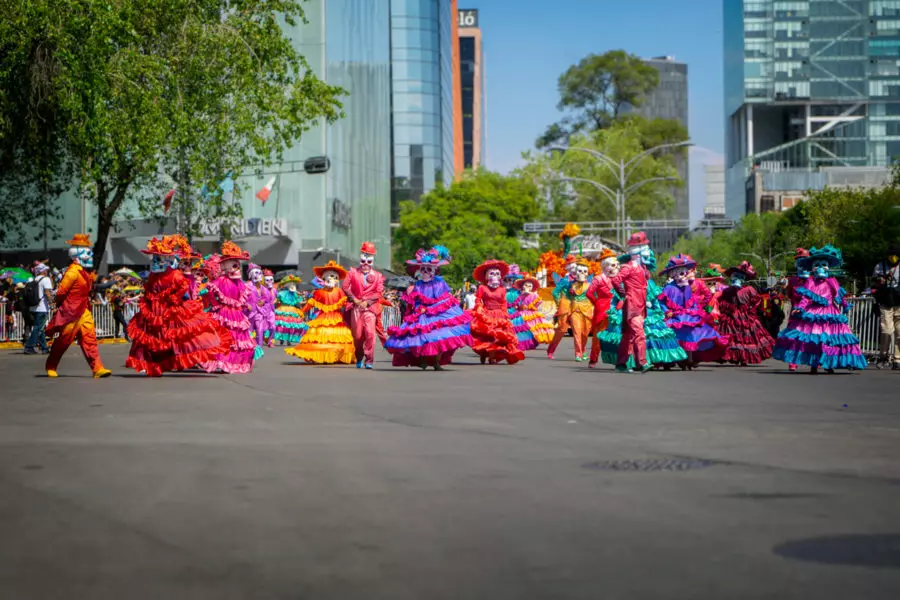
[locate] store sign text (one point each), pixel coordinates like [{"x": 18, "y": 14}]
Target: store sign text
[{"x": 245, "y": 227}]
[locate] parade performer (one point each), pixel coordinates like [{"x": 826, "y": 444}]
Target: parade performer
[
  {"x": 261, "y": 301},
  {"x": 538, "y": 330},
  {"x": 512, "y": 294},
  {"x": 659, "y": 345},
  {"x": 685, "y": 305},
  {"x": 364, "y": 287},
  {"x": 564, "y": 307},
  {"x": 748, "y": 341},
  {"x": 434, "y": 326},
  {"x": 171, "y": 332},
  {"x": 802, "y": 266},
  {"x": 190, "y": 263},
  {"x": 581, "y": 309},
  {"x": 600, "y": 294},
  {"x": 289, "y": 325},
  {"x": 269, "y": 312},
  {"x": 328, "y": 339},
  {"x": 228, "y": 301},
  {"x": 820, "y": 336},
  {"x": 714, "y": 281},
  {"x": 493, "y": 337},
  {"x": 72, "y": 319}
]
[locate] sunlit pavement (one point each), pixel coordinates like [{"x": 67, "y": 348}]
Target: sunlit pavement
[{"x": 542, "y": 480}]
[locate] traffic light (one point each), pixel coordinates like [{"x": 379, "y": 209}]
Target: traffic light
[{"x": 317, "y": 165}]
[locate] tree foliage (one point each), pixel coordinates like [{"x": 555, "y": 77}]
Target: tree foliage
[
  {"x": 478, "y": 217},
  {"x": 147, "y": 92}
]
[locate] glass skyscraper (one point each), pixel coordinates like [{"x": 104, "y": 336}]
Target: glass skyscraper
[
  {"x": 809, "y": 84},
  {"x": 422, "y": 98}
]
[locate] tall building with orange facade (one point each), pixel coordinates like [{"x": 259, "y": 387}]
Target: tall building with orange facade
[{"x": 471, "y": 69}]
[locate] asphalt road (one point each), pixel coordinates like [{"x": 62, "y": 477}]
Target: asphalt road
[{"x": 480, "y": 482}]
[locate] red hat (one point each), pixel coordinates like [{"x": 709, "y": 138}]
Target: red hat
[
  {"x": 480, "y": 272},
  {"x": 268, "y": 273},
  {"x": 80, "y": 240},
  {"x": 367, "y": 248},
  {"x": 528, "y": 278},
  {"x": 160, "y": 247},
  {"x": 745, "y": 267},
  {"x": 570, "y": 259},
  {"x": 801, "y": 253},
  {"x": 638, "y": 239},
  {"x": 231, "y": 250}
]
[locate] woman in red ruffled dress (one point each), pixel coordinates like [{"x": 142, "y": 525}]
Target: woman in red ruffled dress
[
  {"x": 493, "y": 336},
  {"x": 171, "y": 332},
  {"x": 749, "y": 342}
]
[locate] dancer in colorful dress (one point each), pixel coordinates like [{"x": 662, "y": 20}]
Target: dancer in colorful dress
[
  {"x": 228, "y": 301},
  {"x": 512, "y": 294},
  {"x": 581, "y": 309},
  {"x": 73, "y": 320},
  {"x": 289, "y": 325},
  {"x": 748, "y": 341},
  {"x": 820, "y": 335},
  {"x": 261, "y": 301},
  {"x": 493, "y": 337},
  {"x": 600, "y": 293},
  {"x": 564, "y": 307},
  {"x": 802, "y": 266},
  {"x": 170, "y": 332},
  {"x": 685, "y": 305},
  {"x": 190, "y": 263},
  {"x": 364, "y": 287},
  {"x": 328, "y": 339},
  {"x": 434, "y": 326},
  {"x": 528, "y": 308},
  {"x": 714, "y": 280}
]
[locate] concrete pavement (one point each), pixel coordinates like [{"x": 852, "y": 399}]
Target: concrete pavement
[{"x": 305, "y": 482}]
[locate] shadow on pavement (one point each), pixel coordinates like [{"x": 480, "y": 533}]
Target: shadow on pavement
[{"x": 861, "y": 550}]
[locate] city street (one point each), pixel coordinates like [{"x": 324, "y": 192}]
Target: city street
[{"x": 537, "y": 481}]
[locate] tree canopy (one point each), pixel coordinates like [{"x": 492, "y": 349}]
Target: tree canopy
[
  {"x": 139, "y": 94},
  {"x": 480, "y": 216}
]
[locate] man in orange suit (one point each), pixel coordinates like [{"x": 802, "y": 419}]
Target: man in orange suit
[{"x": 73, "y": 319}]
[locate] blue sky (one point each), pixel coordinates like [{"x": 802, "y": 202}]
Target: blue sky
[{"x": 528, "y": 44}]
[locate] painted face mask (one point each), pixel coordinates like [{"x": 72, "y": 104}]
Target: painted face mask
[
  {"x": 269, "y": 280},
  {"x": 581, "y": 273},
  {"x": 82, "y": 256},
  {"x": 187, "y": 269},
  {"x": 820, "y": 269},
  {"x": 255, "y": 275},
  {"x": 161, "y": 264},
  {"x": 427, "y": 272},
  {"x": 366, "y": 261},
  {"x": 527, "y": 287},
  {"x": 231, "y": 268},
  {"x": 292, "y": 288},
  {"x": 680, "y": 276},
  {"x": 737, "y": 280},
  {"x": 493, "y": 278},
  {"x": 712, "y": 286},
  {"x": 610, "y": 267},
  {"x": 330, "y": 279},
  {"x": 802, "y": 271}
]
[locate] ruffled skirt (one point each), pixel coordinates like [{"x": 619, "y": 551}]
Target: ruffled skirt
[
  {"x": 662, "y": 346},
  {"x": 748, "y": 341},
  {"x": 327, "y": 341},
  {"x": 289, "y": 325},
  {"x": 421, "y": 338},
  {"x": 824, "y": 340},
  {"x": 493, "y": 336}
]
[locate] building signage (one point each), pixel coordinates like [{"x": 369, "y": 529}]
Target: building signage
[
  {"x": 253, "y": 227},
  {"x": 468, "y": 17},
  {"x": 340, "y": 215}
]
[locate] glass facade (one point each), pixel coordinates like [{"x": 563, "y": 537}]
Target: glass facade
[
  {"x": 810, "y": 84},
  {"x": 422, "y": 97},
  {"x": 467, "y": 61}
]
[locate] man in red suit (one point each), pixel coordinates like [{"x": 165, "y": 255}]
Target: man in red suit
[
  {"x": 631, "y": 284},
  {"x": 364, "y": 287}
]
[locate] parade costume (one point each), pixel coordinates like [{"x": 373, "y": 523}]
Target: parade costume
[
  {"x": 600, "y": 294},
  {"x": 228, "y": 301},
  {"x": 523, "y": 333},
  {"x": 714, "y": 281},
  {"x": 564, "y": 307},
  {"x": 528, "y": 309},
  {"x": 581, "y": 309},
  {"x": 820, "y": 335},
  {"x": 328, "y": 339},
  {"x": 364, "y": 287},
  {"x": 686, "y": 313},
  {"x": 170, "y": 332},
  {"x": 493, "y": 337},
  {"x": 261, "y": 309},
  {"x": 748, "y": 341},
  {"x": 801, "y": 264},
  {"x": 434, "y": 326},
  {"x": 73, "y": 319},
  {"x": 289, "y": 325}
]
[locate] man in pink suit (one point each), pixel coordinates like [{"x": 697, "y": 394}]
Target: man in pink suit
[
  {"x": 631, "y": 284},
  {"x": 364, "y": 287}
]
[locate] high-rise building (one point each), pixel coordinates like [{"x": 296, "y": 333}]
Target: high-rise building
[
  {"x": 809, "y": 84},
  {"x": 423, "y": 40},
  {"x": 471, "y": 69},
  {"x": 669, "y": 100},
  {"x": 714, "y": 185}
]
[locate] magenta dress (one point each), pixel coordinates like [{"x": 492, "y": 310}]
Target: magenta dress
[{"x": 228, "y": 302}]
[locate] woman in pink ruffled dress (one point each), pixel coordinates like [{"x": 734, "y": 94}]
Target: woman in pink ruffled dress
[{"x": 228, "y": 304}]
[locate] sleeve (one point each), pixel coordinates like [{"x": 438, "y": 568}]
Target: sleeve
[
  {"x": 618, "y": 279},
  {"x": 65, "y": 285},
  {"x": 479, "y": 299},
  {"x": 345, "y": 287}
]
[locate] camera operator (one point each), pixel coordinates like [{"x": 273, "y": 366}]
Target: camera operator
[{"x": 887, "y": 295}]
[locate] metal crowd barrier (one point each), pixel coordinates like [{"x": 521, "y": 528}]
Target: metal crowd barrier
[
  {"x": 864, "y": 322},
  {"x": 391, "y": 317},
  {"x": 103, "y": 320}
]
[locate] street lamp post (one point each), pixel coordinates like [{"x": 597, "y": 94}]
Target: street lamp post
[{"x": 621, "y": 171}]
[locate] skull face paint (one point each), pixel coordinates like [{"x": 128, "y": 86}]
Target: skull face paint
[
  {"x": 493, "y": 278},
  {"x": 292, "y": 287},
  {"x": 680, "y": 276},
  {"x": 231, "y": 268},
  {"x": 820, "y": 268},
  {"x": 269, "y": 280},
  {"x": 802, "y": 267},
  {"x": 737, "y": 280},
  {"x": 83, "y": 256},
  {"x": 527, "y": 287},
  {"x": 610, "y": 267},
  {"x": 366, "y": 261},
  {"x": 581, "y": 273},
  {"x": 712, "y": 286},
  {"x": 330, "y": 279},
  {"x": 255, "y": 275},
  {"x": 427, "y": 272},
  {"x": 161, "y": 264}
]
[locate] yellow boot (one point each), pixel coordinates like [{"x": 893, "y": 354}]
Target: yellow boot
[
  {"x": 52, "y": 373},
  {"x": 102, "y": 372}
]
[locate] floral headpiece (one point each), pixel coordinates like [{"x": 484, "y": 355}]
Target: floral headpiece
[
  {"x": 160, "y": 247},
  {"x": 513, "y": 273},
  {"x": 833, "y": 255},
  {"x": 437, "y": 256},
  {"x": 230, "y": 250}
]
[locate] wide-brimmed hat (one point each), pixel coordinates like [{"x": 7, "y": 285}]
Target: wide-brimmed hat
[
  {"x": 183, "y": 248},
  {"x": 513, "y": 273},
  {"x": 330, "y": 266},
  {"x": 528, "y": 278},
  {"x": 438, "y": 256},
  {"x": 606, "y": 254},
  {"x": 285, "y": 281},
  {"x": 827, "y": 252},
  {"x": 712, "y": 274},
  {"x": 230, "y": 250},
  {"x": 160, "y": 247},
  {"x": 480, "y": 271},
  {"x": 639, "y": 238},
  {"x": 367, "y": 248},
  {"x": 745, "y": 268},
  {"x": 679, "y": 261},
  {"x": 80, "y": 239}
]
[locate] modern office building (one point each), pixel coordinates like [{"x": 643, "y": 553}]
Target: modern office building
[
  {"x": 346, "y": 43},
  {"x": 423, "y": 46},
  {"x": 471, "y": 68},
  {"x": 809, "y": 84},
  {"x": 714, "y": 186},
  {"x": 669, "y": 100}
]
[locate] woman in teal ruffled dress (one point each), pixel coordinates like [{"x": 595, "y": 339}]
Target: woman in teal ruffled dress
[{"x": 663, "y": 349}]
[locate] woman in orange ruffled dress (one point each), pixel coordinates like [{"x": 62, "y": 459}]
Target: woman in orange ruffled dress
[
  {"x": 493, "y": 336},
  {"x": 328, "y": 339},
  {"x": 171, "y": 332}
]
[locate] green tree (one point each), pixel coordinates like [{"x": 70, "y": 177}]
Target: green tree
[
  {"x": 147, "y": 91},
  {"x": 594, "y": 92},
  {"x": 478, "y": 217}
]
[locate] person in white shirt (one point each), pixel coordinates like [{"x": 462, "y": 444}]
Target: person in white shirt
[
  {"x": 41, "y": 311},
  {"x": 887, "y": 295},
  {"x": 470, "y": 299}
]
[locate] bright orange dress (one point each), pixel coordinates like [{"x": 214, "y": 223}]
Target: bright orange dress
[
  {"x": 328, "y": 339},
  {"x": 493, "y": 335}
]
